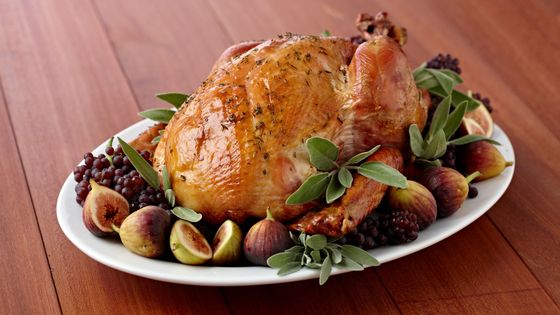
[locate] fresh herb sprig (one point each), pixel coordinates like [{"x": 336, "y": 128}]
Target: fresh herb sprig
[
  {"x": 319, "y": 252},
  {"x": 164, "y": 115},
  {"x": 333, "y": 179},
  {"x": 151, "y": 177}
]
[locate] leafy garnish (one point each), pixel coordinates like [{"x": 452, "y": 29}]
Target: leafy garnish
[
  {"x": 144, "y": 168},
  {"x": 158, "y": 114},
  {"x": 319, "y": 252},
  {"x": 335, "y": 178},
  {"x": 325, "y": 33},
  {"x": 173, "y": 98},
  {"x": 186, "y": 214}
]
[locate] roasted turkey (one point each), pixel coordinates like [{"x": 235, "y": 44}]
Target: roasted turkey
[{"x": 237, "y": 145}]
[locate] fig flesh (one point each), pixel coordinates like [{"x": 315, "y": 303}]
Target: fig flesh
[
  {"x": 483, "y": 157},
  {"x": 449, "y": 188},
  {"x": 103, "y": 209},
  {"x": 227, "y": 244},
  {"x": 189, "y": 245},
  {"x": 415, "y": 199},
  {"x": 264, "y": 239},
  {"x": 144, "y": 232}
]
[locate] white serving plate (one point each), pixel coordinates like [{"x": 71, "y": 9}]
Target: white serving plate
[{"x": 111, "y": 253}]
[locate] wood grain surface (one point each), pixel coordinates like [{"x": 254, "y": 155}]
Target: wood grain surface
[{"x": 72, "y": 73}]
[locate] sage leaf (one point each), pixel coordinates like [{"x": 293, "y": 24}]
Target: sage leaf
[
  {"x": 303, "y": 238},
  {"x": 165, "y": 178},
  {"x": 144, "y": 168},
  {"x": 335, "y": 254},
  {"x": 288, "y": 268},
  {"x": 472, "y": 138},
  {"x": 316, "y": 255},
  {"x": 295, "y": 249},
  {"x": 322, "y": 153},
  {"x": 156, "y": 139},
  {"x": 436, "y": 147},
  {"x": 446, "y": 82},
  {"x": 325, "y": 271},
  {"x": 454, "y": 75},
  {"x": 325, "y": 33},
  {"x": 383, "y": 173},
  {"x": 454, "y": 120},
  {"x": 345, "y": 177},
  {"x": 458, "y": 98},
  {"x": 280, "y": 259},
  {"x": 362, "y": 156},
  {"x": 416, "y": 140},
  {"x": 175, "y": 99},
  {"x": 335, "y": 190},
  {"x": 186, "y": 214},
  {"x": 358, "y": 255},
  {"x": 440, "y": 117},
  {"x": 316, "y": 241},
  {"x": 158, "y": 114},
  {"x": 347, "y": 263},
  {"x": 313, "y": 187},
  {"x": 425, "y": 79},
  {"x": 295, "y": 238},
  {"x": 170, "y": 196},
  {"x": 314, "y": 265}
]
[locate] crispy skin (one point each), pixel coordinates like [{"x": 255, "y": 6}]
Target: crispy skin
[
  {"x": 360, "y": 200},
  {"x": 238, "y": 146}
]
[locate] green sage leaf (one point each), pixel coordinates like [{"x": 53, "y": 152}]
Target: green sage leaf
[
  {"x": 345, "y": 177},
  {"x": 165, "y": 178},
  {"x": 358, "y": 255},
  {"x": 170, "y": 196},
  {"x": 325, "y": 271},
  {"x": 362, "y": 156},
  {"x": 416, "y": 140},
  {"x": 144, "y": 168},
  {"x": 423, "y": 163},
  {"x": 316, "y": 241},
  {"x": 457, "y": 97},
  {"x": 158, "y": 114},
  {"x": 295, "y": 249},
  {"x": 280, "y": 259},
  {"x": 440, "y": 117},
  {"x": 472, "y": 138},
  {"x": 452, "y": 74},
  {"x": 383, "y": 173},
  {"x": 288, "y": 268},
  {"x": 313, "y": 187},
  {"x": 156, "y": 139},
  {"x": 316, "y": 255},
  {"x": 186, "y": 214},
  {"x": 436, "y": 147},
  {"x": 454, "y": 120},
  {"x": 425, "y": 79},
  {"x": 325, "y": 33},
  {"x": 175, "y": 99},
  {"x": 335, "y": 190},
  {"x": 446, "y": 82},
  {"x": 322, "y": 153},
  {"x": 347, "y": 263},
  {"x": 314, "y": 265},
  {"x": 335, "y": 254}
]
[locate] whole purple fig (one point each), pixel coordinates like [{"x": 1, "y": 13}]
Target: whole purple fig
[
  {"x": 415, "y": 199},
  {"x": 264, "y": 239}
]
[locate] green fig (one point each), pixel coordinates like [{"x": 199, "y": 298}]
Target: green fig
[
  {"x": 189, "y": 245},
  {"x": 449, "y": 188},
  {"x": 227, "y": 244},
  {"x": 144, "y": 232},
  {"x": 103, "y": 209},
  {"x": 415, "y": 199},
  {"x": 266, "y": 238},
  {"x": 483, "y": 157}
]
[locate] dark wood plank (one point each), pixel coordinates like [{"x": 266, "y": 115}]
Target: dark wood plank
[
  {"x": 352, "y": 293},
  {"x": 164, "y": 45},
  {"x": 66, "y": 94},
  {"x": 26, "y": 286}
]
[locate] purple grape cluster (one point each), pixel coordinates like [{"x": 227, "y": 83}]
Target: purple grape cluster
[{"x": 119, "y": 175}]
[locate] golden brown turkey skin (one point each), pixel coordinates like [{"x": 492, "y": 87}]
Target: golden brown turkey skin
[{"x": 237, "y": 146}]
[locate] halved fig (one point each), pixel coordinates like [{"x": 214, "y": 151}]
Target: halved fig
[
  {"x": 227, "y": 244},
  {"x": 189, "y": 245},
  {"x": 103, "y": 209}
]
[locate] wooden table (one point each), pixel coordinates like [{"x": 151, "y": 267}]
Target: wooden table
[{"x": 75, "y": 72}]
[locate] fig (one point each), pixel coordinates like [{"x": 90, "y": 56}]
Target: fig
[
  {"x": 103, "y": 209},
  {"x": 483, "y": 157},
  {"x": 189, "y": 245},
  {"x": 415, "y": 199},
  {"x": 144, "y": 232},
  {"x": 449, "y": 188},
  {"x": 227, "y": 245},
  {"x": 266, "y": 238}
]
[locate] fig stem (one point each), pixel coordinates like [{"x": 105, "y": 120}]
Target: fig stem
[
  {"x": 269, "y": 214},
  {"x": 115, "y": 228},
  {"x": 472, "y": 176},
  {"x": 509, "y": 163}
]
